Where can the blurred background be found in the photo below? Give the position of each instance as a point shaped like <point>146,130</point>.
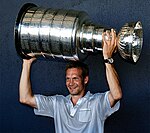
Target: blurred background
<point>48,77</point>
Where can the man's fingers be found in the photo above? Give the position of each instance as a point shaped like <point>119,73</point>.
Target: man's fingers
<point>113,34</point>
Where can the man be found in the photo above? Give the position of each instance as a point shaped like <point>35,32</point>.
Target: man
<point>81,111</point>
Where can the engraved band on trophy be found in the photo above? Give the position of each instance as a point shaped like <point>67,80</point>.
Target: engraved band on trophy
<point>69,34</point>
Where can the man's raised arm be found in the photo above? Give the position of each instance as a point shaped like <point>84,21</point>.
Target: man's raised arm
<point>25,90</point>
<point>109,47</point>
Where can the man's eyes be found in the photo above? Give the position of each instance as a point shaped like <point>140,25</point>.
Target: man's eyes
<point>75,78</point>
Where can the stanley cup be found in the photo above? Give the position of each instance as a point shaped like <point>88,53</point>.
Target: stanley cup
<point>69,35</point>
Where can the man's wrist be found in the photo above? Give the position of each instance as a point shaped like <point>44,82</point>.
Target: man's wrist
<point>109,60</point>
<point>27,63</point>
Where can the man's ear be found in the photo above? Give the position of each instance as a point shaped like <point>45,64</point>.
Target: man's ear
<point>86,79</point>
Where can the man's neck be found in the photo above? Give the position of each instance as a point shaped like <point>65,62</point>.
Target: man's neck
<point>75,98</point>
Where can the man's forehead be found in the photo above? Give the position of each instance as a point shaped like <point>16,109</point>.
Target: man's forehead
<point>77,71</point>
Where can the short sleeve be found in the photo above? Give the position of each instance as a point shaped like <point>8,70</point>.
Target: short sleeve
<point>105,109</point>
<point>45,105</point>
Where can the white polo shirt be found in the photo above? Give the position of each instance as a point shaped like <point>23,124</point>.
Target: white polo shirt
<point>87,116</point>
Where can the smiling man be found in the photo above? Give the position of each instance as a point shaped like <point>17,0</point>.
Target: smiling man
<point>76,80</point>
<point>80,111</point>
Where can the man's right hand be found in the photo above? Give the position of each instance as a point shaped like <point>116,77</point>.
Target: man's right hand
<point>29,61</point>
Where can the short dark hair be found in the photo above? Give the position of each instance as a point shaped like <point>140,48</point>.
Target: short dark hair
<point>80,65</point>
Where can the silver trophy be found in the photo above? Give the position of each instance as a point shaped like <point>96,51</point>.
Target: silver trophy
<point>69,35</point>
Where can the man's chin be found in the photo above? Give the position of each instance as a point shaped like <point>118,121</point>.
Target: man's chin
<point>73,93</point>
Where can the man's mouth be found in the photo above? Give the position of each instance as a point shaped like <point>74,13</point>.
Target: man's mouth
<point>72,87</point>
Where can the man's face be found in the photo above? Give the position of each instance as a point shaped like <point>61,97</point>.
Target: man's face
<point>75,82</point>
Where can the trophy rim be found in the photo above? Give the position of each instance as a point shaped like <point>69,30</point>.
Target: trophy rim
<point>19,18</point>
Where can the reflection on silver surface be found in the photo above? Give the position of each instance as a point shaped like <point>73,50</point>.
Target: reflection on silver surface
<point>130,41</point>
<point>69,35</point>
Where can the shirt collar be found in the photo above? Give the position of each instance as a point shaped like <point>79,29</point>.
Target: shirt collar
<point>80,100</point>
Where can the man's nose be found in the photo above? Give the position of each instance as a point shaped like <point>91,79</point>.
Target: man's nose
<point>71,82</point>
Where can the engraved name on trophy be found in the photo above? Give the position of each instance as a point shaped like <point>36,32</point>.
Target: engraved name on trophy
<point>69,34</point>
